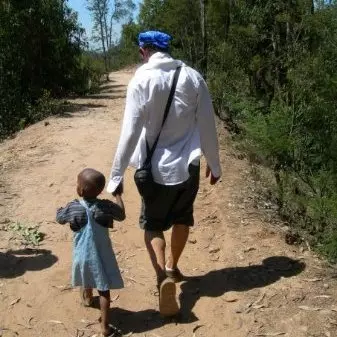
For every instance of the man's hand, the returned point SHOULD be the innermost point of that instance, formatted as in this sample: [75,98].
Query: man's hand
[213,179]
[119,190]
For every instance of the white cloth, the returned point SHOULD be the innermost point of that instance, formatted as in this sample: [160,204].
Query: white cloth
[188,132]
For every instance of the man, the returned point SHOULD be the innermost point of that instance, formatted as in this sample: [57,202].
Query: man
[188,131]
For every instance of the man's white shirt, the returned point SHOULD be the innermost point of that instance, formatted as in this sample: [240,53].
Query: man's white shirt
[189,129]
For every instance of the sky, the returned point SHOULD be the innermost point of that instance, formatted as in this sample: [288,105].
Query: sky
[85,19]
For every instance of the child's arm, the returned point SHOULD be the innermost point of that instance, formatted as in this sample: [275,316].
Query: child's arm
[74,214]
[120,203]
[120,215]
[106,211]
[62,215]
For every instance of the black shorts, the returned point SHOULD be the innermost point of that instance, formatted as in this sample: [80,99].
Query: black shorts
[171,204]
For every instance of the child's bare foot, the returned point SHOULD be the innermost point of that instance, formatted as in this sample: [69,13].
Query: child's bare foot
[86,297]
[110,331]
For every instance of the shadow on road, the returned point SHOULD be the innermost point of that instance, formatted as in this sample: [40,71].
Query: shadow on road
[102,96]
[15,263]
[213,284]
[218,282]
[113,87]
[68,109]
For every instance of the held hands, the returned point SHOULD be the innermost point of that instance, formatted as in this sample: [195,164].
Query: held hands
[213,179]
[119,190]
[119,200]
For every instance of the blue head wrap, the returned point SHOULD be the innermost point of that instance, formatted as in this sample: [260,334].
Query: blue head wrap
[154,38]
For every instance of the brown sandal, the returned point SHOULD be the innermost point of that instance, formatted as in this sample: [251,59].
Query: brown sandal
[168,305]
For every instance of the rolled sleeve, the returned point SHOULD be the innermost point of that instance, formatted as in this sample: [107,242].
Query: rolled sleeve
[114,182]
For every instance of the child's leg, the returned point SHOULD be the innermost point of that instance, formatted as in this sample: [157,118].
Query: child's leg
[104,301]
[86,296]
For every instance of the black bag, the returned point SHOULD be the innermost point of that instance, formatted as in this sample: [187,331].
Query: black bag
[143,176]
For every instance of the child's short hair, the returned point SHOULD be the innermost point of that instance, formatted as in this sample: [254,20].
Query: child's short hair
[90,183]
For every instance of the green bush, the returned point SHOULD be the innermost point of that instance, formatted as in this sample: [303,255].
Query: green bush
[41,46]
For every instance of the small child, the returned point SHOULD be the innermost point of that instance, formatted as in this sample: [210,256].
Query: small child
[94,262]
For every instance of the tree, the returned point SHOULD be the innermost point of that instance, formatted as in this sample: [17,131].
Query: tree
[40,50]
[104,14]
[203,16]
[126,52]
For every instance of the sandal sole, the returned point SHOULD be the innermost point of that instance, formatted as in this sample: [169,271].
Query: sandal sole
[168,305]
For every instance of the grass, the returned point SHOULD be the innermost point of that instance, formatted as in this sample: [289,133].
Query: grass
[30,235]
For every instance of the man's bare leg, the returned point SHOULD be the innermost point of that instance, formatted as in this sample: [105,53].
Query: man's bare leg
[178,242]
[156,244]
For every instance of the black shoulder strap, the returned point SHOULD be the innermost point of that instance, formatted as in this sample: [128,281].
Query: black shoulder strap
[167,109]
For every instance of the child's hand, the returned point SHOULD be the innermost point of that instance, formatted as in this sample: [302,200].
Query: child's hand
[119,190]
[119,201]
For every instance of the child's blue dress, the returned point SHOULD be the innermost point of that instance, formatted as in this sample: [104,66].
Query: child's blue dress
[94,262]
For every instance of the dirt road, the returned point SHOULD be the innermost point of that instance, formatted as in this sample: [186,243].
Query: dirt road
[244,281]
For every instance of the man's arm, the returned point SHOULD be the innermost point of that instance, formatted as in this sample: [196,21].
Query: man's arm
[208,133]
[131,129]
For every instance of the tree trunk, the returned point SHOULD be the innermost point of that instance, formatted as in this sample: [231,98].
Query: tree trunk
[104,49]
[227,22]
[107,37]
[204,60]
[110,30]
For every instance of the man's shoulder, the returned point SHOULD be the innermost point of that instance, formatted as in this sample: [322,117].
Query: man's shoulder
[139,77]
[144,74]
[193,74]
[139,70]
